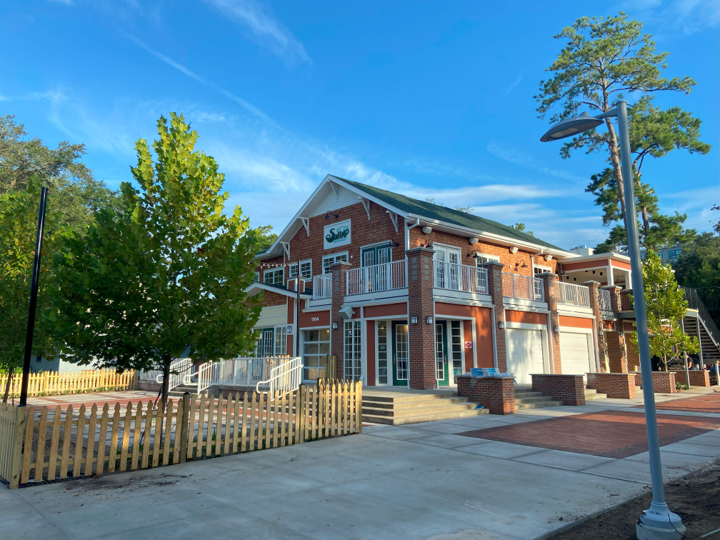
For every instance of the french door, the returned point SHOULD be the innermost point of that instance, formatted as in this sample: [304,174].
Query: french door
[441,358]
[377,274]
[401,354]
[447,271]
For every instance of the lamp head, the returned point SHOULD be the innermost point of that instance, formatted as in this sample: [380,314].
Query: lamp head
[571,126]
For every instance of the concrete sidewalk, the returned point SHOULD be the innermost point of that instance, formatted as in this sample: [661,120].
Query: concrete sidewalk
[418,482]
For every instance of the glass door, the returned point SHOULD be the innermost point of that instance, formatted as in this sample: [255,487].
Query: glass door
[267,345]
[447,274]
[457,348]
[401,354]
[383,351]
[441,359]
[377,274]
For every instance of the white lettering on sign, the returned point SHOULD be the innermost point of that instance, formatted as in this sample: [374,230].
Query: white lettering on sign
[315,319]
[468,344]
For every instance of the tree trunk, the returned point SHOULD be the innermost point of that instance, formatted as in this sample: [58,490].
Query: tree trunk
[7,384]
[615,161]
[646,223]
[166,380]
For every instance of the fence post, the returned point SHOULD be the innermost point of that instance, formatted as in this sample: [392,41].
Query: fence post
[300,415]
[18,436]
[182,430]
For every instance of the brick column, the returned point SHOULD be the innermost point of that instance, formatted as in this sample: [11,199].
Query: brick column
[339,276]
[615,341]
[594,287]
[549,284]
[421,336]
[495,289]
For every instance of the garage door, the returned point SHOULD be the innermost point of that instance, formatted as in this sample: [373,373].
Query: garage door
[575,353]
[525,354]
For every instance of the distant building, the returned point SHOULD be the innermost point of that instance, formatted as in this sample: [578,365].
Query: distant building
[667,254]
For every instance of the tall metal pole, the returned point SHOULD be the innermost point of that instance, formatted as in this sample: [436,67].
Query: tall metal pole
[33,296]
[657,521]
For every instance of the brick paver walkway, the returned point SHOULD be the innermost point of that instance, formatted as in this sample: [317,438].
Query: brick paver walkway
[99,398]
[709,404]
[613,434]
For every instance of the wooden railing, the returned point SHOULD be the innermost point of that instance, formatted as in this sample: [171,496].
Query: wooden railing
[573,295]
[379,277]
[42,444]
[524,287]
[460,277]
[48,383]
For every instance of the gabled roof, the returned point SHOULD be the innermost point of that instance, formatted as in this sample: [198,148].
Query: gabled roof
[447,215]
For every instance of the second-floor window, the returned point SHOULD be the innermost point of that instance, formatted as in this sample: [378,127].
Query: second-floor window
[484,257]
[275,276]
[329,260]
[305,269]
[673,254]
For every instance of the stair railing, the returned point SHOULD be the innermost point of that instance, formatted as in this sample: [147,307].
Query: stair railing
[694,302]
[283,379]
[180,373]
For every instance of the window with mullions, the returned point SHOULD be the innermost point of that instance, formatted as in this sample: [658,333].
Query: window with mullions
[353,351]
[316,350]
[274,277]
[329,260]
[306,269]
[280,340]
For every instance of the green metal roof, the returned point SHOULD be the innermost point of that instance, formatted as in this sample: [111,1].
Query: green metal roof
[447,215]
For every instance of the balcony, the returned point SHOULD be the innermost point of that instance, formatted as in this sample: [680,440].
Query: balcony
[570,294]
[322,287]
[523,287]
[605,301]
[459,277]
[377,278]
[626,303]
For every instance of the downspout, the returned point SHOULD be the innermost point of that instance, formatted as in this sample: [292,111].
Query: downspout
[407,232]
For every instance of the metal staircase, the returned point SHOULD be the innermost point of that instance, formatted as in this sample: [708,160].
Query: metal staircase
[699,324]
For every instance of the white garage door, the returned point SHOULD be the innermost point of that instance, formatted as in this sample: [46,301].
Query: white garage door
[525,354]
[575,353]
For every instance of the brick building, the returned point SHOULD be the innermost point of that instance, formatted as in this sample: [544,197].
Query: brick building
[408,293]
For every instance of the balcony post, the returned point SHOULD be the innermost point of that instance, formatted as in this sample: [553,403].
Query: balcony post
[615,341]
[495,290]
[421,336]
[338,271]
[594,292]
[551,293]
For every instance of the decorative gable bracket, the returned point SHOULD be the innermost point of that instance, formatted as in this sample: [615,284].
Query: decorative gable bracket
[286,248]
[366,206]
[306,223]
[393,218]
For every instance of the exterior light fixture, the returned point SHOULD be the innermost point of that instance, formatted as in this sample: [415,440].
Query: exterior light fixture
[501,325]
[514,250]
[428,319]
[427,230]
[413,319]
[335,325]
[473,241]
[548,257]
[556,329]
[428,245]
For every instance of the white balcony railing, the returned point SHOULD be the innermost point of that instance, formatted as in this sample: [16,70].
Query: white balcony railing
[523,287]
[238,371]
[573,295]
[376,278]
[605,301]
[322,286]
[459,277]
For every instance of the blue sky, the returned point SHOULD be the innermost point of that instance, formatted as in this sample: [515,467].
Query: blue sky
[431,99]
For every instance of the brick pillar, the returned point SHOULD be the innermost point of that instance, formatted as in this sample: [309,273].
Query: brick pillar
[495,288]
[615,341]
[549,285]
[421,336]
[594,287]
[339,275]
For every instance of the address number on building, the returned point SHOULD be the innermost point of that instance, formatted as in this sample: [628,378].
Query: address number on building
[315,319]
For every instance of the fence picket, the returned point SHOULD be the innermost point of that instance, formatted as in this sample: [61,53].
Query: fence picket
[180,427]
[268,417]
[112,452]
[157,421]
[251,422]
[201,427]
[40,454]
[79,439]
[191,438]
[102,440]
[228,424]
[283,418]
[276,420]
[218,430]
[67,436]
[125,437]
[54,442]
[49,383]
[29,430]
[147,436]
[243,426]
[90,453]
[167,423]
[134,464]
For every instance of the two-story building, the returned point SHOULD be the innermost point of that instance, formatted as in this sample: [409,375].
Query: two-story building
[409,293]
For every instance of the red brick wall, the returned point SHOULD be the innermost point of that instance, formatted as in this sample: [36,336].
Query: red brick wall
[616,351]
[697,378]
[496,395]
[549,283]
[570,389]
[496,292]
[273,299]
[664,382]
[615,385]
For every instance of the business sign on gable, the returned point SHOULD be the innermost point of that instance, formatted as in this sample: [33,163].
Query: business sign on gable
[336,234]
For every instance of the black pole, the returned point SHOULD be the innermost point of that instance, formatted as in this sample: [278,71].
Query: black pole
[33,296]
[296,339]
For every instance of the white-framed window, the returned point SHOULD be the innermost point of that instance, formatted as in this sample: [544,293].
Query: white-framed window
[257,277]
[306,269]
[316,352]
[484,257]
[292,270]
[329,260]
[352,368]
[276,276]
[541,269]
[280,340]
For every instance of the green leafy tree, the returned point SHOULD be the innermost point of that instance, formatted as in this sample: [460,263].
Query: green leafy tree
[604,59]
[666,308]
[266,238]
[18,227]
[165,275]
[699,268]
[73,190]
[521,227]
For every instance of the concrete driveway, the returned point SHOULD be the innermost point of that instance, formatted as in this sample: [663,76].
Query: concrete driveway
[417,482]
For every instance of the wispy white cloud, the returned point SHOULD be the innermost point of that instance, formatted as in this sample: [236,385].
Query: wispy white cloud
[65,2]
[266,29]
[515,83]
[686,16]
[513,155]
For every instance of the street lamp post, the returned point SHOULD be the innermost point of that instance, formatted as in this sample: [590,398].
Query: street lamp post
[657,522]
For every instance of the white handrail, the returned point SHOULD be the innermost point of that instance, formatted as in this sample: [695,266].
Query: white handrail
[283,378]
[378,277]
[237,371]
[525,287]
[573,295]
[605,300]
[460,277]
[322,286]
[182,368]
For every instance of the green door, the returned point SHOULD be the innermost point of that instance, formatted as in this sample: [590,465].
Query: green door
[441,357]
[401,353]
[267,343]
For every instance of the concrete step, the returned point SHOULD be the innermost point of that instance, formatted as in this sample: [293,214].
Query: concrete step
[411,405]
[534,399]
[430,417]
[537,405]
[399,397]
[527,395]
[593,394]
[416,411]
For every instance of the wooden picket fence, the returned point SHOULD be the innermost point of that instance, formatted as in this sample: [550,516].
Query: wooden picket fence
[57,444]
[49,383]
